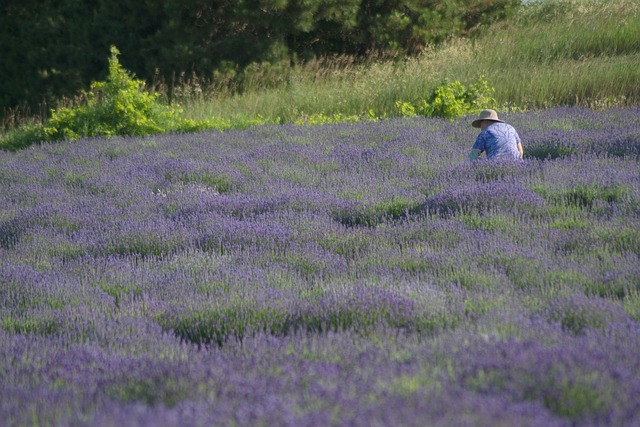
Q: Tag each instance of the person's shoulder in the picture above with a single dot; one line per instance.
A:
(504, 127)
(494, 127)
(484, 132)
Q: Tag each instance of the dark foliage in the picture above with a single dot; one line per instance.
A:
(52, 49)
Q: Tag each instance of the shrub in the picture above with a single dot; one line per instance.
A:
(118, 106)
(452, 100)
(22, 137)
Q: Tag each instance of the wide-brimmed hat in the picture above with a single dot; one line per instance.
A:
(486, 115)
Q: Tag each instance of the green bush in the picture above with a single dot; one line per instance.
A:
(118, 106)
(452, 100)
(22, 137)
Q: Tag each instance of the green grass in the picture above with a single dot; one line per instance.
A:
(571, 52)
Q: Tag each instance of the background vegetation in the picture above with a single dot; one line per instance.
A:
(53, 48)
(551, 53)
(545, 53)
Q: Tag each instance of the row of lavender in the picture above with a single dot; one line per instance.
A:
(345, 274)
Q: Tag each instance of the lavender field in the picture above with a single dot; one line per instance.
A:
(358, 274)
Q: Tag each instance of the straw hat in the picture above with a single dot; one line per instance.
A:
(486, 115)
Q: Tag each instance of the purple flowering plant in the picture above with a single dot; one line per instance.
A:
(343, 274)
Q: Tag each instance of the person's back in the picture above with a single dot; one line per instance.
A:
(497, 138)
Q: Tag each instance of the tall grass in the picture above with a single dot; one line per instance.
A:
(553, 52)
(574, 52)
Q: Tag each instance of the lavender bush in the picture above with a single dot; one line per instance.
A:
(356, 274)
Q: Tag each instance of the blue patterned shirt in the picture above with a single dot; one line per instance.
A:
(498, 140)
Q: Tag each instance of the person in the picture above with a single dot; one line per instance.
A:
(497, 138)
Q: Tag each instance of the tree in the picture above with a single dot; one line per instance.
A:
(54, 48)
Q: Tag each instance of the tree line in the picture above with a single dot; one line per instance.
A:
(54, 48)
